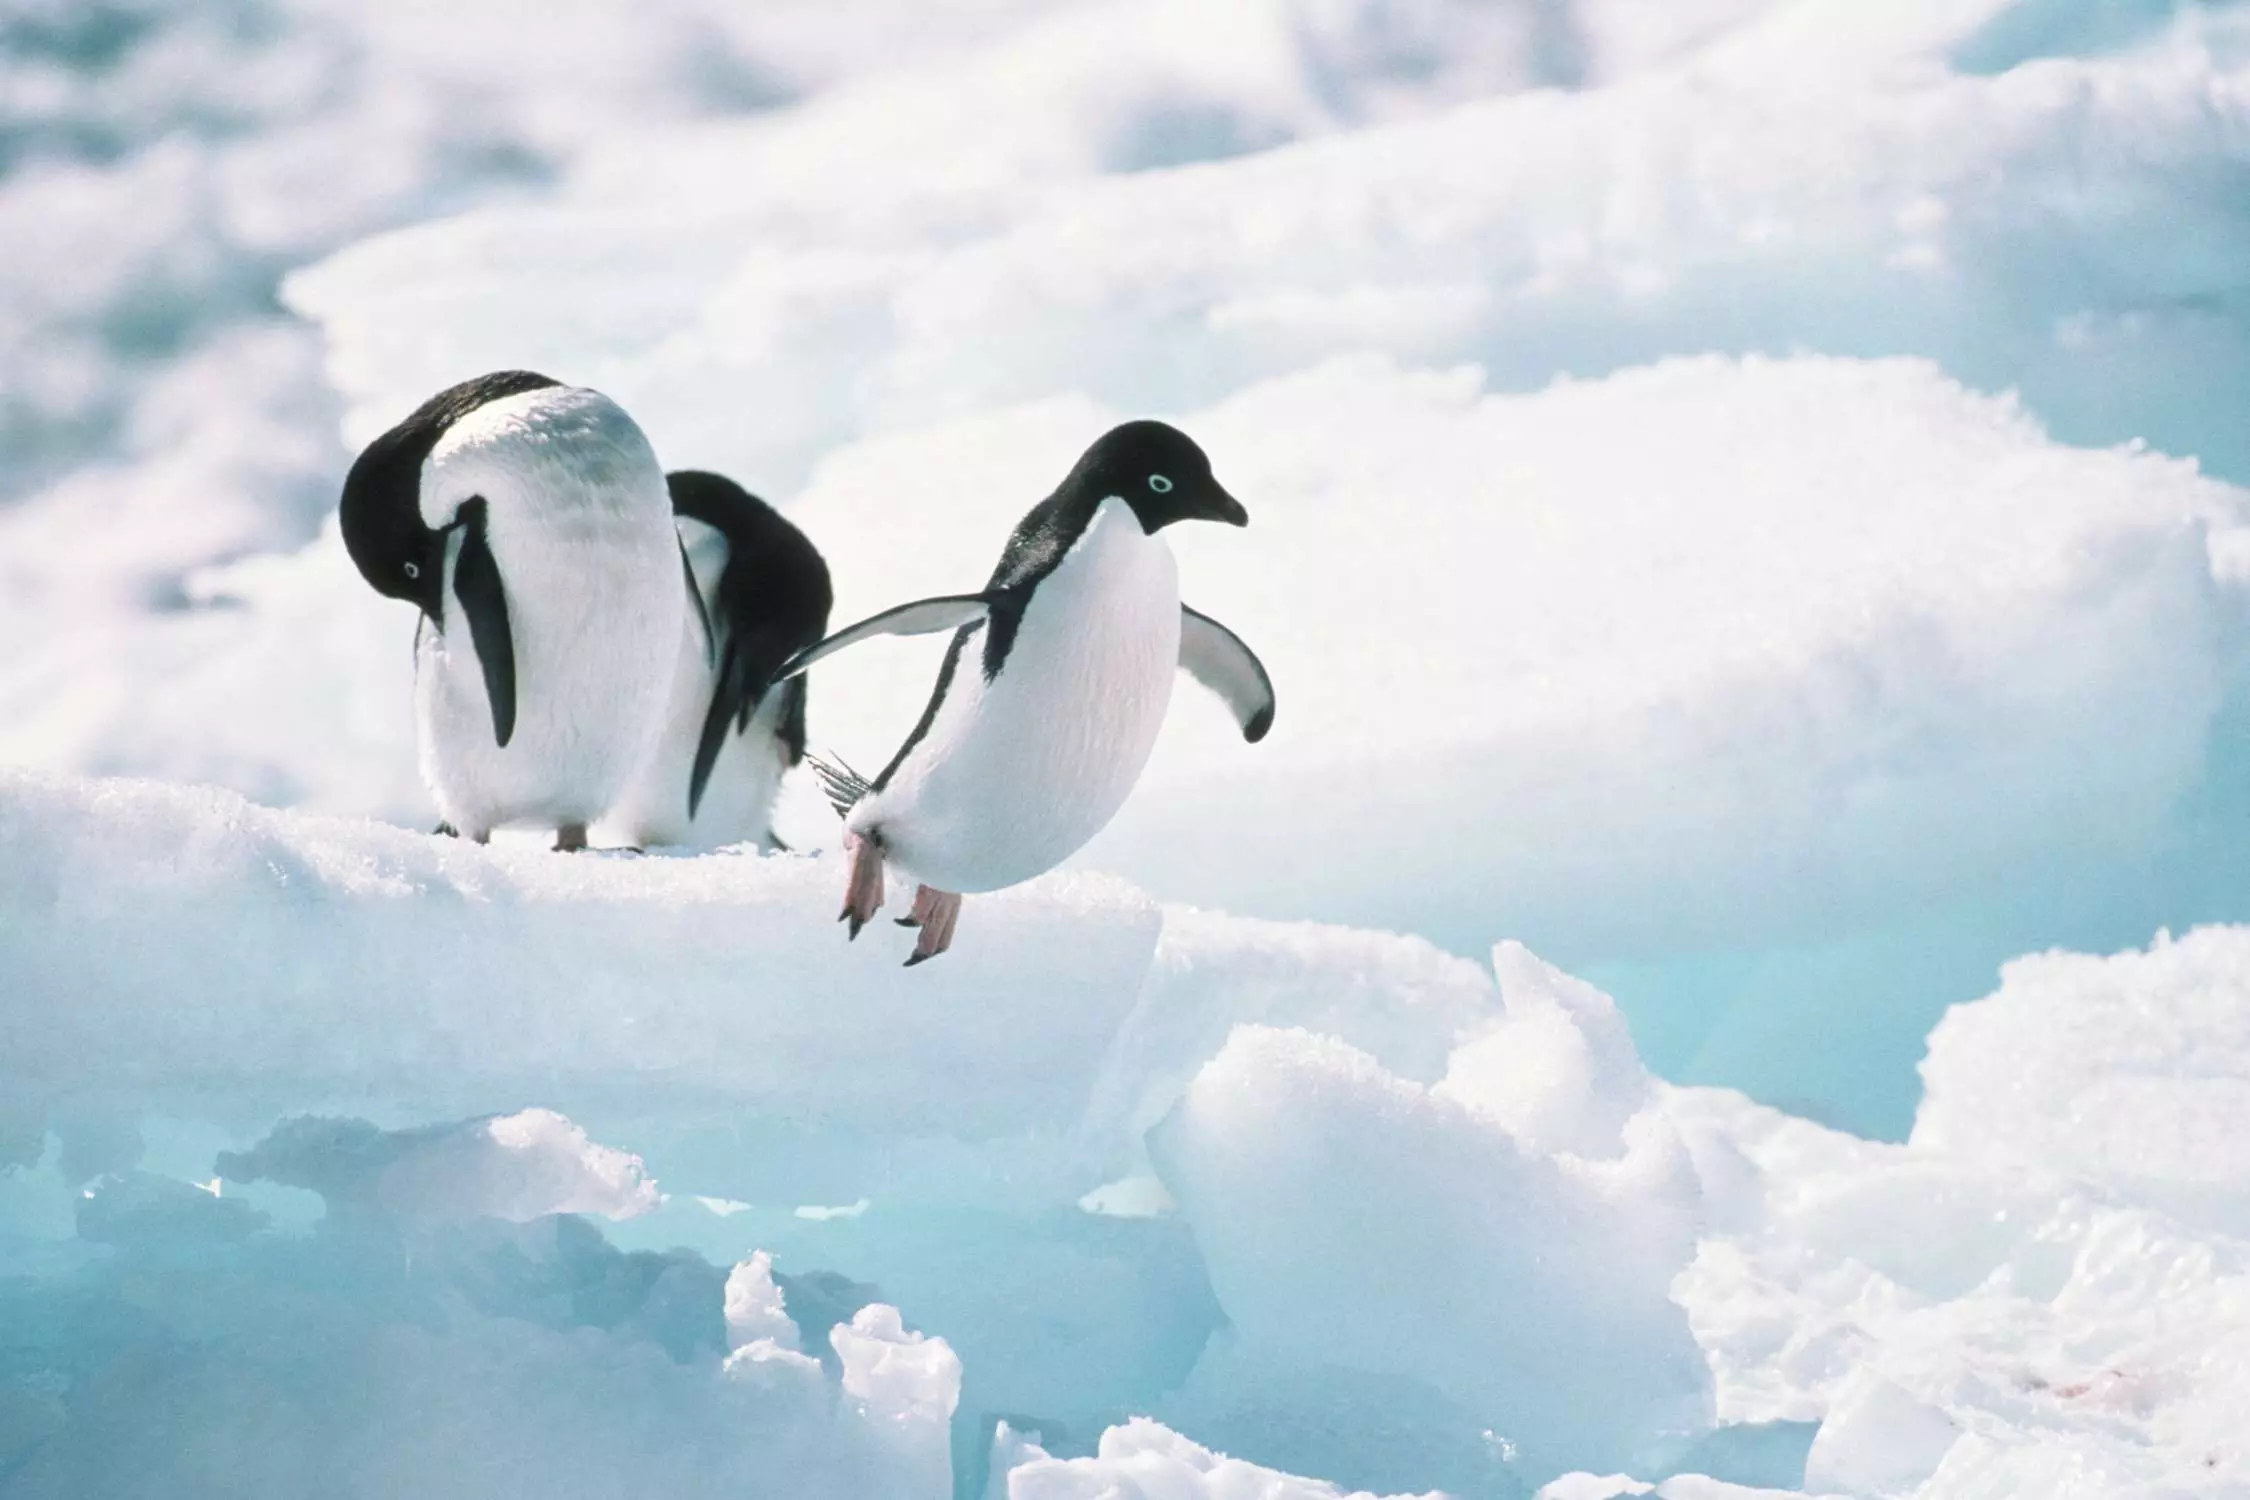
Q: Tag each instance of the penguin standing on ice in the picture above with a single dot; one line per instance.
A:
(529, 522)
(758, 593)
(1052, 691)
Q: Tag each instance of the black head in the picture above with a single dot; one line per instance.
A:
(397, 552)
(1159, 471)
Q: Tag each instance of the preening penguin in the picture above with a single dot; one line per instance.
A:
(757, 593)
(1052, 691)
(529, 522)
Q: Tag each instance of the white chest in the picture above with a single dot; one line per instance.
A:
(1015, 774)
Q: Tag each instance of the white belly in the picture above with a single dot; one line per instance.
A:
(580, 524)
(1016, 775)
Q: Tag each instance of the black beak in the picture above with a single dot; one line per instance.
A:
(1229, 509)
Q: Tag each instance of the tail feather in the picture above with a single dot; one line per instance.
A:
(843, 785)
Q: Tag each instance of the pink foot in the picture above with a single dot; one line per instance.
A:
(863, 892)
(938, 913)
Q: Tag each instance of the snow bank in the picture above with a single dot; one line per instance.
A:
(1962, 1326)
(2130, 1074)
(1512, 1253)
(1401, 1224)
(167, 948)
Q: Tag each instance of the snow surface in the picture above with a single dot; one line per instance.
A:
(1745, 501)
(1412, 1227)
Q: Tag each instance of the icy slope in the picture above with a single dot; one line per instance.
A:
(1402, 1223)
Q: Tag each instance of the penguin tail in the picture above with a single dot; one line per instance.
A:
(844, 786)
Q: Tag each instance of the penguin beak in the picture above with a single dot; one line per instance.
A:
(1228, 508)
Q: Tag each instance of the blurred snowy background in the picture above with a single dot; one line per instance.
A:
(1747, 500)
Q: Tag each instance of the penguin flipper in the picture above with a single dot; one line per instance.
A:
(1216, 657)
(922, 617)
(484, 600)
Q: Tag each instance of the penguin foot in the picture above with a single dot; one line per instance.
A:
(863, 892)
(570, 838)
(445, 830)
(938, 913)
(925, 904)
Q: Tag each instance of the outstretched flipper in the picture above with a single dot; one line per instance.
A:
(1216, 657)
(922, 617)
(484, 601)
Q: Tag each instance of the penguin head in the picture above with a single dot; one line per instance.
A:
(1160, 472)
(396, 551)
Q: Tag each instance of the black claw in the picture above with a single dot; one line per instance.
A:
(857, 923)
(908, 921)
(917, 958)
(447, 830)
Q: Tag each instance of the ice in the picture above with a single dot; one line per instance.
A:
(517, 1167)
(430, 975)
(2130, 1074)
(1143, 1460)
(1400, 1224)
(1746, 507)
(1356, 1223)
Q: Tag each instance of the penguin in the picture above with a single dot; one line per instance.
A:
(757, 593)
(529, 522)
(1052, 691)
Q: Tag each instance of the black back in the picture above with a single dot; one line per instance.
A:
(1152, 466)
(771, 601)
(394, 549)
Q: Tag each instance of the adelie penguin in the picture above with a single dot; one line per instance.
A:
(529, 522)
(1052, 691)
(758, 593)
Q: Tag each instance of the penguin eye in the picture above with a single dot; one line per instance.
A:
(413, 570)
(1160, 484)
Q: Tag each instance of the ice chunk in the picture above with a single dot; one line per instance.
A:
(1357, 1222)
(754, 1306)
(1878, 1440)
(2130, 1072)
(1143, 1460)
(1558, 1071)
(518, 1167)
(1398, 998)
(903, 1388)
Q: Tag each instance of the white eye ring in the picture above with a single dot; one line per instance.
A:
(1160, 484)
(413, 570)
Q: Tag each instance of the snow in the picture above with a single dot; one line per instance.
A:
(1400, 1226)
(2129, 1073)
(1749, 538)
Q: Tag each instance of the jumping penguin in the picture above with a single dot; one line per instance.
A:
(1052, 691)
(757, 593)
(529, 522)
